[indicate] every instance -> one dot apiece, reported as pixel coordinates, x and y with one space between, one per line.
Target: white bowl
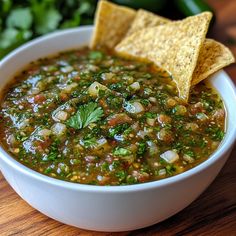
105 208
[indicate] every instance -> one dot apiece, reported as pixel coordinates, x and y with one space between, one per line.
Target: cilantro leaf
85 115
5 7
46 16
20 18
11 38
75 21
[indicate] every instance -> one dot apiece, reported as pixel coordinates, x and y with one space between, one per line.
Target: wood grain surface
213 213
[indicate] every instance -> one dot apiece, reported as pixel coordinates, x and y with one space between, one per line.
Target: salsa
92 117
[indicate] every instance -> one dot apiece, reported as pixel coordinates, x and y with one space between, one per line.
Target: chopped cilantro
118 129
190 153
121 175
52 155
119 151
215 133
170 169
150 115
114 101
89 142
142 147
131 180
95 55
105 167
144 102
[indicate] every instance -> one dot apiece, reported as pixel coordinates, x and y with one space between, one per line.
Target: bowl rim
224 147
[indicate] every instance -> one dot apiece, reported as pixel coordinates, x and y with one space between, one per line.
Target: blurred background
21 21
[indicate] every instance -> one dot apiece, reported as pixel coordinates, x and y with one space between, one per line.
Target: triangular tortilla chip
213 57
144 19
174 46
111 24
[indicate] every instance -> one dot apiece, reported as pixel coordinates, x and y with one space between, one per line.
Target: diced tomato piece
113 142
63 96
102 103
42 145
33 70
77 78
39 98
119 119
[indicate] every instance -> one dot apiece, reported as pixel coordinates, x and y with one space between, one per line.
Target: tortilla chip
174 46
144 19
213 57
111 24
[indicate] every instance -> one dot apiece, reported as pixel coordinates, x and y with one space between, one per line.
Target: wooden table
213 213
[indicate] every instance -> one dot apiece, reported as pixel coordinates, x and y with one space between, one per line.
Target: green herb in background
21 21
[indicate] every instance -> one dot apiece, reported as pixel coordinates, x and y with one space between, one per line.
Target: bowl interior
74 38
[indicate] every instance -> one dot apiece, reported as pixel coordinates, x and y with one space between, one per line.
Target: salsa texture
91 117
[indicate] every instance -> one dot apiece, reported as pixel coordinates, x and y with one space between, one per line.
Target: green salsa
91 117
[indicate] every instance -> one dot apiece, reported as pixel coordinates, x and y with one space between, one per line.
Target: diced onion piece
69 88
92 68
153 149
107 76
219 114
134 107
94 88
170 156
188 158
191 126
142 134
34 91
11 140
101 142
67 69
23 124
60 116
44 132
215 144
135 86
128 78
58 129
202 116
147 91
152 99
145 132
162 172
